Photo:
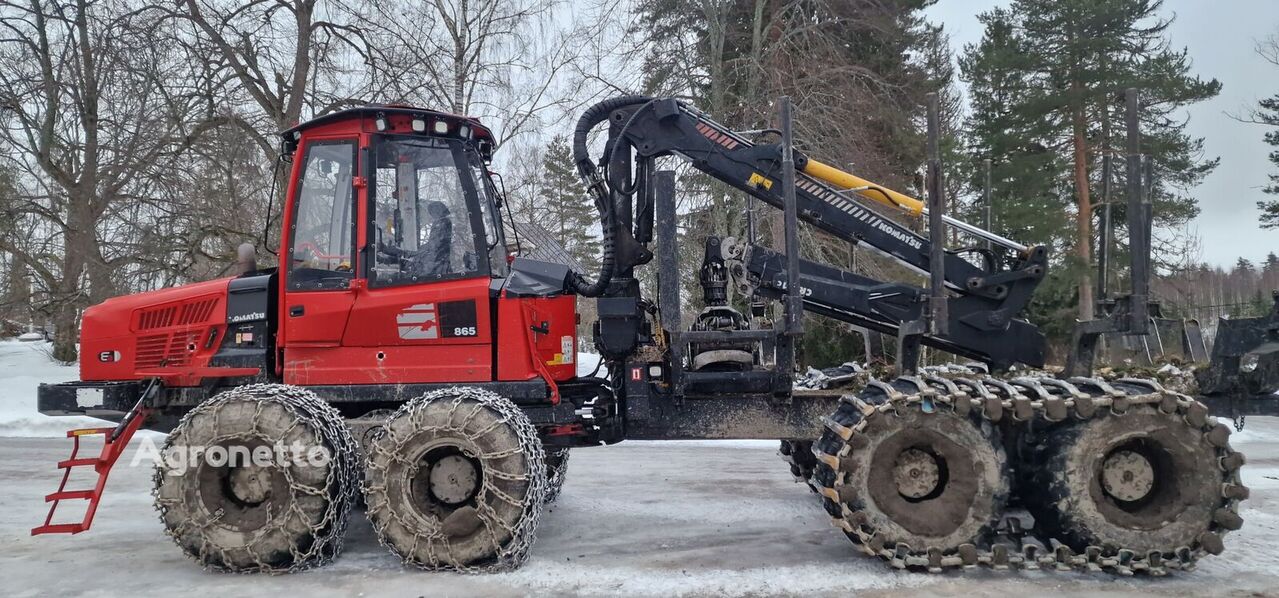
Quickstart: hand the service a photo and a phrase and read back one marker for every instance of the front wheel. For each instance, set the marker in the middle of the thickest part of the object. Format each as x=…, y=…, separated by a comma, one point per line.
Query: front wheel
x=556, y=472
x=258, y=479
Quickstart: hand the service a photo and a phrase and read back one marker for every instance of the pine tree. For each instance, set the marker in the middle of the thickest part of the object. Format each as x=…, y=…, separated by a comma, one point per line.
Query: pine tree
x=1269, y=115
x=562, y=204
x=1048, y=79
x=1027, y=196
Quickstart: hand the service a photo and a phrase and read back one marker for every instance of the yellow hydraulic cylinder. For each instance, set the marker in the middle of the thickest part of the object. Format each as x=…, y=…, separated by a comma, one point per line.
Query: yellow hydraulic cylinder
x=845, y=181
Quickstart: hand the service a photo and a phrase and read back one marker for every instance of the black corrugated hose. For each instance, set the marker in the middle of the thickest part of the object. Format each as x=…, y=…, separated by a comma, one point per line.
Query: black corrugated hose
x=598, y=188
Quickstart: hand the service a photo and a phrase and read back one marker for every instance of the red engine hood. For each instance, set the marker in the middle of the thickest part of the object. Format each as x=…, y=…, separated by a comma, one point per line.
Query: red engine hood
x=171, y=327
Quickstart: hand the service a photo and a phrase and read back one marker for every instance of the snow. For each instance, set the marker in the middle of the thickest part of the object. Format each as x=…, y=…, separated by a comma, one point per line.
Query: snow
x=634, y=519
x=586, y=363
x=649, y=518
x=25, y=365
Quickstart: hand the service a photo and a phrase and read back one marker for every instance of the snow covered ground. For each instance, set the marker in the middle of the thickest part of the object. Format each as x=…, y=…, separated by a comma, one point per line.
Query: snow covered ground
x=639, y=518
x=23, y=366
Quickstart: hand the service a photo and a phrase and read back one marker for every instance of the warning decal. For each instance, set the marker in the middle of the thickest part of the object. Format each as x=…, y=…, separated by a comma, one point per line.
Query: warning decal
x=430, y=321
x=418, y=322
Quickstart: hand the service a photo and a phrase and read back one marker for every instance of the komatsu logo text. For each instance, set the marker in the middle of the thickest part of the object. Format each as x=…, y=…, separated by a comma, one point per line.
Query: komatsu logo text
x=852, y=209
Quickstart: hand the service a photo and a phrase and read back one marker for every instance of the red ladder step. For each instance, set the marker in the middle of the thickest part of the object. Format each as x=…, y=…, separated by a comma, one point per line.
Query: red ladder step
x=89, y=432
x=59, y=528
x=88, y=461
x=113, y=446
x=68, y=495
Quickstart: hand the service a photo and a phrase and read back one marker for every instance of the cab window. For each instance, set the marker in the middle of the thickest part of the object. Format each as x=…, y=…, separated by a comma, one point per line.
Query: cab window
x=320, y=254
x=496, y=242
x=423, y=198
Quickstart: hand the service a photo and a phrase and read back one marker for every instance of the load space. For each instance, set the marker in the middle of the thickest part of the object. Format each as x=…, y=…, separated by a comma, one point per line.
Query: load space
x=406, y=358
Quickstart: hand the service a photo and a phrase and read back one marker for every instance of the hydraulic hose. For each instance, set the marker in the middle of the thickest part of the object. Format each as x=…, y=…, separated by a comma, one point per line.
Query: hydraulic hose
x=599, y=190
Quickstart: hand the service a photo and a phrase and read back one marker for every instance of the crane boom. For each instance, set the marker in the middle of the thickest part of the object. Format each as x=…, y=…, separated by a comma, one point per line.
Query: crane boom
x=989, y=295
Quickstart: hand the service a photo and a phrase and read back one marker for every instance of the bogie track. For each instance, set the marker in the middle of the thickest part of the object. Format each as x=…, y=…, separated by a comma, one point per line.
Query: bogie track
x=1124, y=476
x=798, y=455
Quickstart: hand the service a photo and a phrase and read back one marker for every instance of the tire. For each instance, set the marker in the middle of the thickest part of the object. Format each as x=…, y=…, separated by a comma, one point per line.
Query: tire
x=1144, y=481
x=904, y=476
x=457, y=481
x=556, y=472
x=284, y=514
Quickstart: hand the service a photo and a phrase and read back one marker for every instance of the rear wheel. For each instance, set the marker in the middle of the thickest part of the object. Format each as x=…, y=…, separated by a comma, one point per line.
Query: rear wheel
x=258, y=479
x=903, y=474
x=1144, y=480
x=456, y=481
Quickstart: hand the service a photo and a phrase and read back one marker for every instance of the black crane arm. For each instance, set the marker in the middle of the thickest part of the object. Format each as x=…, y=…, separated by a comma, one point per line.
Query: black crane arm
x=658, y=127
x=991, y=295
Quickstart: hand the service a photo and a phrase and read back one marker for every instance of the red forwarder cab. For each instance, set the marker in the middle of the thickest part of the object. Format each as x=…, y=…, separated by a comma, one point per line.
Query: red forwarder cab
x=393, y=280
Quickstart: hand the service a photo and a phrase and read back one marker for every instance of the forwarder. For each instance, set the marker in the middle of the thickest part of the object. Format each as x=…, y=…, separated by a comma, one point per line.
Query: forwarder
x=396, y=311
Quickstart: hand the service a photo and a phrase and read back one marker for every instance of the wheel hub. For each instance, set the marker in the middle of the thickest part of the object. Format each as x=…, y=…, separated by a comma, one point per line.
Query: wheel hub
x=250, y=484
x=1127, y=476
x=454, y=479
x=916, y=473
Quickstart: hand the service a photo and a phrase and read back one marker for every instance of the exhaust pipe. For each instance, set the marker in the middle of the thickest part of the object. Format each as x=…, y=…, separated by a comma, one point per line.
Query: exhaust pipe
x=246, y=259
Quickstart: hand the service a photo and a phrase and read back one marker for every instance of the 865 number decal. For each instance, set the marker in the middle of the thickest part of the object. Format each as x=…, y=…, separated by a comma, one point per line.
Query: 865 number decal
x=458, y=320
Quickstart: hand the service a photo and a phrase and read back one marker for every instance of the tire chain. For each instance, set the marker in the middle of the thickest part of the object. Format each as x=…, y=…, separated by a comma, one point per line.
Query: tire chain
x=523, y=534
x=1024, y=399
x=556, y=475
x=343, y=481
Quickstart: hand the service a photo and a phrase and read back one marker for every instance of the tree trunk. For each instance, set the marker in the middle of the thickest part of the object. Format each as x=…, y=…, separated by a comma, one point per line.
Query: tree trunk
x=66, y=304
x=18, y=295
x=1083, y=219
x=65, y=332
x=460, y=59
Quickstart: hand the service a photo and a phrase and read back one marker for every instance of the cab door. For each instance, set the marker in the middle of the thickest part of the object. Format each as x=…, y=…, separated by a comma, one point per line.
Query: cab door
x=425, y=315
x=318, y=287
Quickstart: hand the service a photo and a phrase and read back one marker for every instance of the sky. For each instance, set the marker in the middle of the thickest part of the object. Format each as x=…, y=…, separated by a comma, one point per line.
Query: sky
x=1221, y=36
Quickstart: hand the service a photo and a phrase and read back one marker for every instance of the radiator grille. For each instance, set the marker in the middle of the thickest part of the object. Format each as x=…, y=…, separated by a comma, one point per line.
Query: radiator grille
x=197, y=312
x=150, y=350
x=174, y=329
x=161, y=317
x=192, y=312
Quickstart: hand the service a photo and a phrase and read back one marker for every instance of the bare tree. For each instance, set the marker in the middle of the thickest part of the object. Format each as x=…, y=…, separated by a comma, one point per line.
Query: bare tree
x=87, y=127
x=518, y=64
